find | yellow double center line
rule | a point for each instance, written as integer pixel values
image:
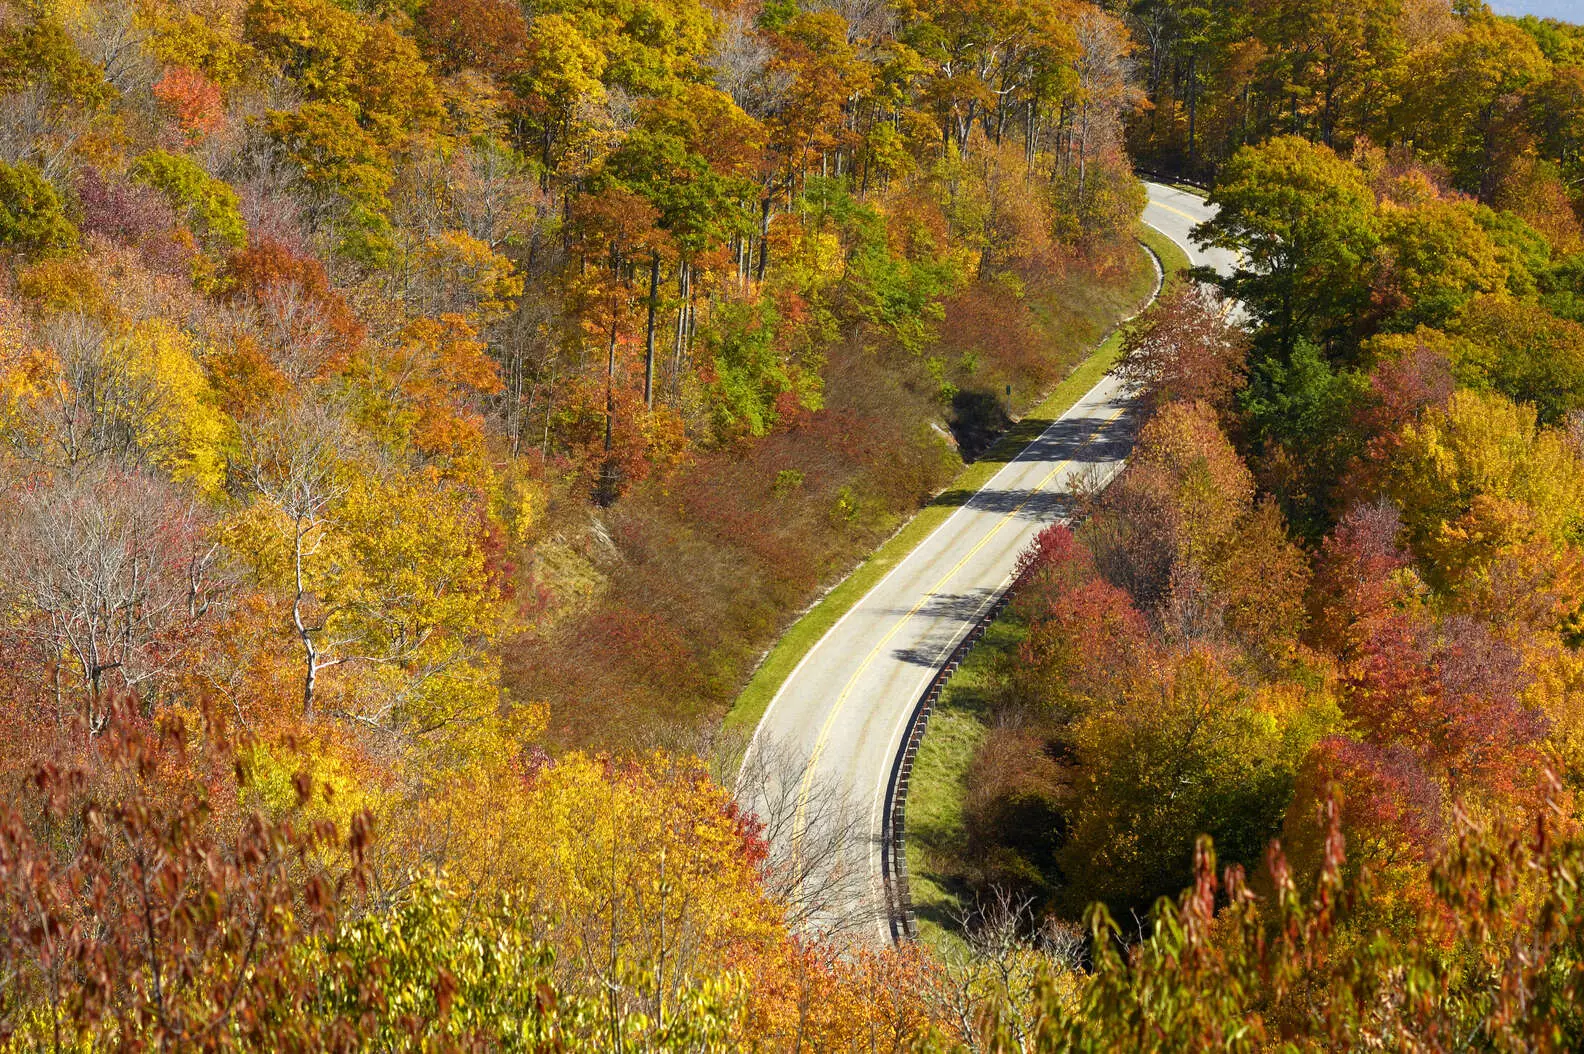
(807, 786)
(1180, 212)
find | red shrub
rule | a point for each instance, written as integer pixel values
(133, 215)
(194, 100)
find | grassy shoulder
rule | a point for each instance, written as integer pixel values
(938, 791)
(789, 650)
(937, 795)
(1171, 255)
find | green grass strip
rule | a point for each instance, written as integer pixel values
(937, 793)
(938, 790)
(1171, 255)
(777, 666)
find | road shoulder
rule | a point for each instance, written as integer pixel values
(783, 659)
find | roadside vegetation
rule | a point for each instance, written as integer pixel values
(401, 402)
(715, 560)
(1327, 620)
(795, 642)
(417, 416)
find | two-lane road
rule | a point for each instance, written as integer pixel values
(838, 721)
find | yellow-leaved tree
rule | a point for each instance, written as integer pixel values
(646, 877)
(1493, 506)
(465, 276)
(382, 576)
(642, 871)
(1481, 480)
(182, 430)
(422, 394)
(88, 390)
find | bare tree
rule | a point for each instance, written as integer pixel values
(871, 21)
(820, 847)
(275, 201)
(88, 409)
(296, 326)
(494, 197)
(1007, 951)
(1105, 90)
(270, 210)
(40, 127)
(113, 37)
(532, 353)
(302, 465)
(741, 61)
(106, 569)
(295, 462)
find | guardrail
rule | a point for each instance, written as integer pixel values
(893, 825)
(1169, 178)
(893, 829)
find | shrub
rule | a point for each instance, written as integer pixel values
(132, 215)
(193, 99)
(31, 217)
(206, 202)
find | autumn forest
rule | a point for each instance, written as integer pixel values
(420, 420)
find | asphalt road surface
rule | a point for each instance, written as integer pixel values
(820, 760)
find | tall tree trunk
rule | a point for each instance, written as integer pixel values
(610, 381)
(692, 314)
(764, 239)
(1028, 135)
(1083, 152)
(608, 469)
(517, 399)
(304, 633)
(649, 329)
(681, 331)
(1064, 136)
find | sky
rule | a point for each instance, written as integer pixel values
(1568, 10)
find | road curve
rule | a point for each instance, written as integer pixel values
(822, 754)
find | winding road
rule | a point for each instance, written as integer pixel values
(822, 754)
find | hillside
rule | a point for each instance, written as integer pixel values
(417, 417)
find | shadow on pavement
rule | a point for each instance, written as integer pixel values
(952, 611)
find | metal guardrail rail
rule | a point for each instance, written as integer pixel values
(1168, 178)
(901, 919)
(893, 856)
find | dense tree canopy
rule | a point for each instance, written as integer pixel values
(1329, 614)
(382, 386)
(416, 417)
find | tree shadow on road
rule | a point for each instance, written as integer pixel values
(954, 610)
(1041, 440)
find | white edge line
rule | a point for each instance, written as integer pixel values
(877, 800)
(753, 741)
(876, 821)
